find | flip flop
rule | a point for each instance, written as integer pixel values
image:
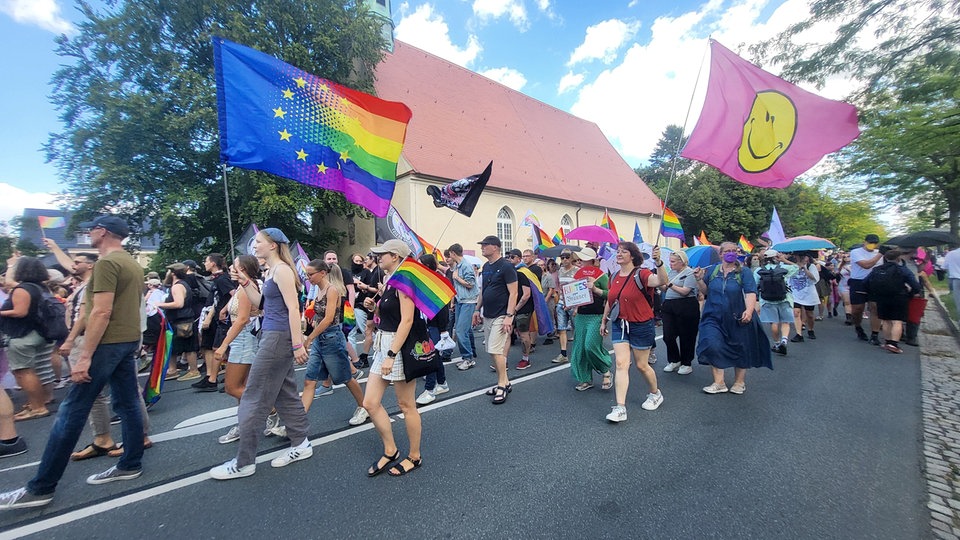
(30, 414)
(117, 450)
(91, 451)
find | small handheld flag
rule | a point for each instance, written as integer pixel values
(703, 238)
(637, 237)
(607, 223)
(530, 219)
(560, 237)
(745, 244)
(429, 290)
(670, 225)
(540, 239)
(51, 222)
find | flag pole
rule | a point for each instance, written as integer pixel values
(42, 234)
(676, 154)
(226, 197)
(436, 244)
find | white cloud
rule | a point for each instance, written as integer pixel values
(43, 13)
(427, 30)
(635, 100)
(515, 10)
(569, 81)
(13, 200)
(508, 77)
(603, 40)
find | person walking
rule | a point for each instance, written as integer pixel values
(180, 312)
(891, 285)
(109, 355)
(565, 275)
(775, 300)
(465, 285)
(803, 287)
(729, 337)
(631, 324)
(435, 383)
(272, 381)
(588, 355)
(862, 261)
(396, 312)
(496, 309)
(681, 315)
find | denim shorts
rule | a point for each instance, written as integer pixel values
(564, 318)
(640, 335)
(328, 357)
(776, 312)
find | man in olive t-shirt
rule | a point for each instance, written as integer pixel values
(108, 356)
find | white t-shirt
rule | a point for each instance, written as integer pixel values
(951, 263)
(803, 289)
(861, 254)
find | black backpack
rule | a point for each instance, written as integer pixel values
(886, 281)
(773, 284)
(49, 314)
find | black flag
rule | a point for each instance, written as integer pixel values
(463, 194)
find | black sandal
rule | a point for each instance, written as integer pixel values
(493, 389)
(501, 396)
(398, 470)
(91, 451)
(375, 469)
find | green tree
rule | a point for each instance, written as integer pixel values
(138, 106)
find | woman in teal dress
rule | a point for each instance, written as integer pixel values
(729, 336)
(588, 353)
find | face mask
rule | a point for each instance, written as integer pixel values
(356, 268)
(729, 257)
(870, 247)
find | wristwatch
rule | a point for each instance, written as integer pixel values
(511, 314)
(391, 354)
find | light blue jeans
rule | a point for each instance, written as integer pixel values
(464, 329)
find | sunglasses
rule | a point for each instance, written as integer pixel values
(564, 256)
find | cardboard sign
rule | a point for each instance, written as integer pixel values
(576, 293)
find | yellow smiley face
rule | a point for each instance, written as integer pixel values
(768, 131)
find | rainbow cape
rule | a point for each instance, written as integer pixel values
(670, 225)
(429, 291)
(282, 120)
(745, 244)
(161, 358)
(607, 223)
(51, 222)
(540, 239)
(540, 309)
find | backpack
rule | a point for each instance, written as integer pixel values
(886, 281)
(203, 291)
(773, 284)
(648, 292)
(49, 314)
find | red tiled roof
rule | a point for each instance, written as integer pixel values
(462, 120)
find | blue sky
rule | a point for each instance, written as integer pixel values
(628, 65)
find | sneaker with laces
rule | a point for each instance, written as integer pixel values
(738, 388)
(782, 348)
(296, 453)
(685, 370)
(618, 414)
(323, 391)
(811, 335)
(560, 359)
(523, 364)
(653, 401)
(22, 498)
(426, 397)
(861, 335)
(15, 448)
(360, 415)
(874, 340)
(797, 339)
(358, 374)
(279, 431)
(229, 470)
(273, 420)
(671, 367)
(716, 388)
(652, 359)
(112, 475)
(441, 389)
(230, 436)
(466, 364)
(61, 384)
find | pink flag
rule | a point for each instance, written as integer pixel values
(761, 130)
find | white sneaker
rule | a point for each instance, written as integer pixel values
(671, 367)
(231, 435)
(652, 359)
(426, 397)
(716, 388)
(273, 420)
(618, 414)
(229, 470)
(61, 384)
(279, 431)
(466, 364)
(738, 388)
(359, 416)
(685, 370)
(441, 389)
(560, 359)
(653, 401)
(296, 453)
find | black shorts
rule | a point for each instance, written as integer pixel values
(208, 336)
(858, 292)
(220, 334)
(893, 309)
(799, 306)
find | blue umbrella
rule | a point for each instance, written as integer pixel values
(803, 243)
(702, 255)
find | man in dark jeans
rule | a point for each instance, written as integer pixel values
(108, 356)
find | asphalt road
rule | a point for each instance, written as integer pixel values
(826, 445)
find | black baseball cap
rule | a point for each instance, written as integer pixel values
(492, 240)
(515, 253)
(113, 224)
(191, 264)
(872, 239)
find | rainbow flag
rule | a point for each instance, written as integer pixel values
(745, 244)
(670, 225)
(560, 237)
(161, 358)
(282, 120)
(540, 239)
(607, 223)
(349, 317)
(703, 239)
(429, 248)
(51, 222)
(540, 308)
(430, 291)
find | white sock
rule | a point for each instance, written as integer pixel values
(305, 443)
